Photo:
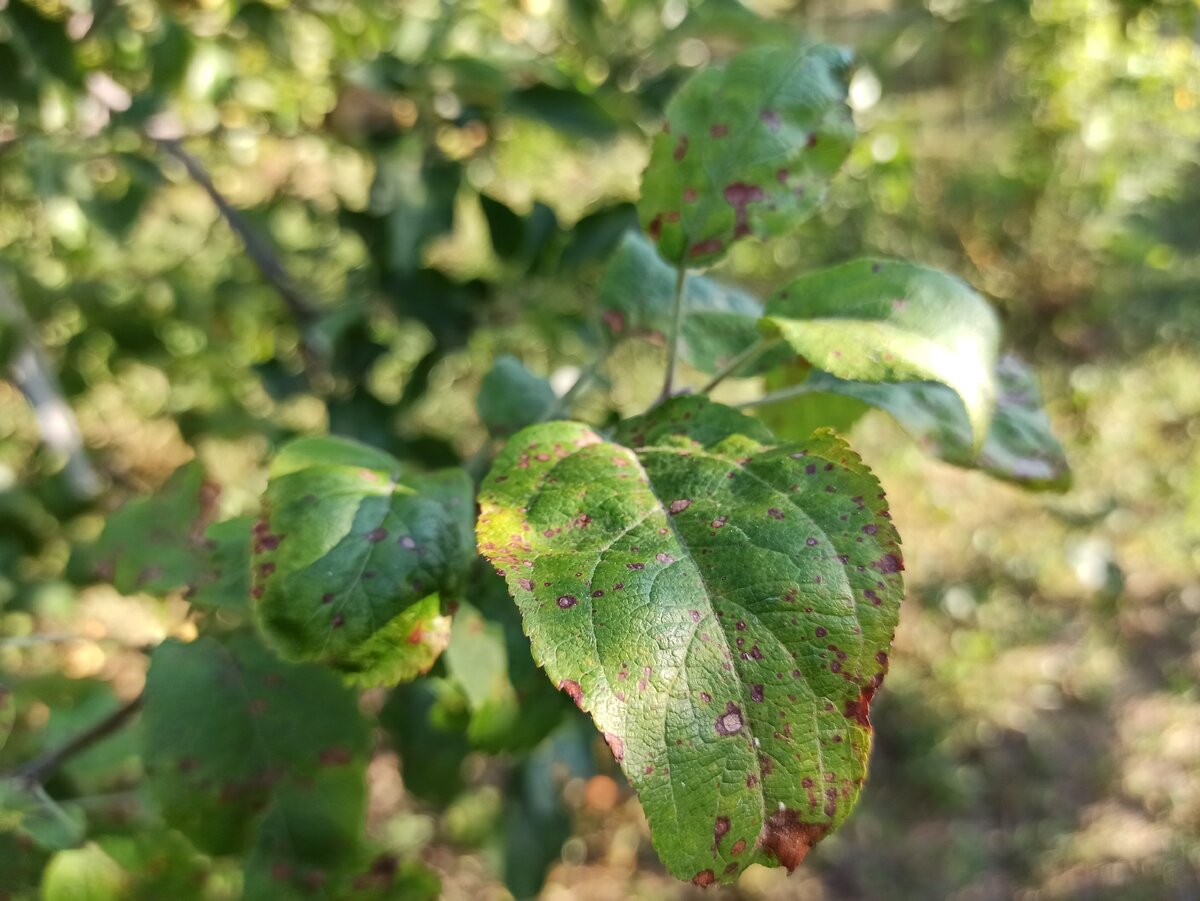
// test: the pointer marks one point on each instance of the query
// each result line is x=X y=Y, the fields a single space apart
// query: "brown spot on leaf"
x=730 y=722
x=719 y=130
x=888 y=563
x=859 y=709
x=679 y=506
x=334 y=756
x=566 y=601
x=786 y=838
x=720 y=830
x=738 y=847
x=572 y=690
x=377 y=534
x=704 y=878
x=681 y=148
x=616 y=745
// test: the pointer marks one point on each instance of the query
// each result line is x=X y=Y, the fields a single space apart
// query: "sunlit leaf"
x=748 y=149
x=887 y=321
x=350 y=555
x=231 y=731
x=722 y=605
x=84 y=874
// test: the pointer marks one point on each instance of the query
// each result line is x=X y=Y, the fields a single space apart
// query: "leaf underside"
x=721 y=605
x=350 y=555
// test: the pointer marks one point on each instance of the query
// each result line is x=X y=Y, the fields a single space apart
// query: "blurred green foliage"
x=441 y=182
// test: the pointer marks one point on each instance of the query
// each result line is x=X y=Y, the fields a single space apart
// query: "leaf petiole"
x=677 y=312
x=782 y=394
x=753 y=352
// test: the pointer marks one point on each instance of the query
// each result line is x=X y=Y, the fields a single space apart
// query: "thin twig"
x=677 y=312
x=782 y=394
x=753 y=352
x=38 y=770
x=257 y=248
x=34 y=378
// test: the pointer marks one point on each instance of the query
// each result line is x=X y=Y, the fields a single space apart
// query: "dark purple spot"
x=870 y=528
x=719 y=130
x=720 y=829
x=566 y=601
x=377 y=534
x=756 y=693
x=730 y=722
x=679 y=506
x=775 y=513
x=770 y=118
x=681 y=148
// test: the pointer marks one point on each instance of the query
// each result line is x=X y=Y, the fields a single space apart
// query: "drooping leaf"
x=506 y=227
x=887 y=321
x=154 y=543
x=1020 y=446
x=637 y=293
x=348 y=560
x=722 y=605
x=747 y=149
x=511 y=397
x=566 y=110
x=598 y=234
x=224 y=583
x=231 y=731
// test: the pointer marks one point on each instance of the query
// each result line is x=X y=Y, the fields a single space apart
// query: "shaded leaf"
x=427 y=722
x=565 y=110
x=598 y=234
x=747 y=149
x=887 y=321
x=799 y=417
x=231 y=731
x=637 y=293
x=153 y=543
x=347 y=563
x=721 y=605
x=505 y=226
x=1020 y=446
x=511 y=397
x=8 y=714
x=224 y=583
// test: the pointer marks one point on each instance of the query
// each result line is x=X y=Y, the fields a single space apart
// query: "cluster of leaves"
x=717 y=591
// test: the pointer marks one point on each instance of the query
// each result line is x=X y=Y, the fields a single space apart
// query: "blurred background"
x=428 y=186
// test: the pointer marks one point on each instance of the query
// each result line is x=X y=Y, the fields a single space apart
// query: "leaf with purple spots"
x=747 y=149
x=351 y=554
x=734 y=602
x=887 y=321
x=230 y=731
x=1020 y=446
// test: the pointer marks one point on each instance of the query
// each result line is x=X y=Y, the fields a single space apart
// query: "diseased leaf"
x=886 y=321
x=224 y=583
x=747 y=149
x=511 y=397
x=347 y=563
x=722 y=605
x=154 y=543
x=1020 y=446
x=637 y=293
x=230 y=731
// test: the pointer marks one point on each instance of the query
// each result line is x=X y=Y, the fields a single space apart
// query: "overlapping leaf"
x=1020 y=446
x=887 y=321
x=721 y=605
x=350 y=555
x=231 y=731
x=511 y=397
x=636 y=297
x=747 y=149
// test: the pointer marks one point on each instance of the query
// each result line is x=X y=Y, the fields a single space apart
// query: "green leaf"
x=511 y=397
x=1020 y=446
x=637 y=293
x=427 y=722
x=231 y=731
x=84 y=874
x=8 y=714
x=799 y=417
x=512 y=706
x=747 y=149
x=885 y=321
x=722 y=605
x=224 y=584
x=350 y=556
x=563 y=109
x=154 y=543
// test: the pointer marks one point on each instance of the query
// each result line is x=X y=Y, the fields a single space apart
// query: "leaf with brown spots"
x=747 y=149
x=350 y=556
x=748 y=592
x=230 y=731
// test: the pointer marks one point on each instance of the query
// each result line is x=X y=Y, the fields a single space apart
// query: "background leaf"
x=886 y=321
x=353 y=548
x=511 y=397
x=230 y=732
x=747 y=149
x=721 y=605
